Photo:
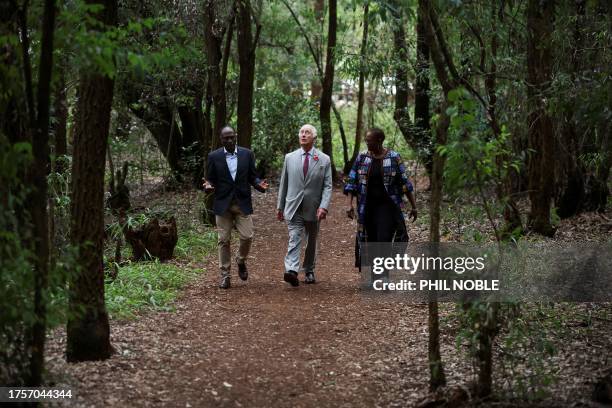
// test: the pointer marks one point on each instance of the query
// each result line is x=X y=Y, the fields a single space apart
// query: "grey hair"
x=312 y=129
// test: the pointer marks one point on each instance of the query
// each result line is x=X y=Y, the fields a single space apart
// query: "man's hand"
x=321 y=214
x=413 y=215
x=279 y=215
x=208 y=188
x=263 y=184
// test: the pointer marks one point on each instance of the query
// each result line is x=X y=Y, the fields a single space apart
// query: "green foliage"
x=477 y=161
x=16 y=279
x=17 y=270
x=525 y=345
x=141 y=46
x=142 y=285
x=528 y=350
x=277 y=120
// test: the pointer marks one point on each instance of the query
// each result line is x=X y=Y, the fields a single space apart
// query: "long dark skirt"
x=383 y=223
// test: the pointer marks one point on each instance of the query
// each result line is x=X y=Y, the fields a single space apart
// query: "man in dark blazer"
x=230 y=175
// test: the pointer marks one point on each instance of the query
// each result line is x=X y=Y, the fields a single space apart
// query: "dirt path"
x=263 y=343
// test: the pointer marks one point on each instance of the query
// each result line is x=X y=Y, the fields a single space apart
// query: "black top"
x=226 y=189
x=376 y=193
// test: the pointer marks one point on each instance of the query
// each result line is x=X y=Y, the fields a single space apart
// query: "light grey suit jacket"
x=312 y=192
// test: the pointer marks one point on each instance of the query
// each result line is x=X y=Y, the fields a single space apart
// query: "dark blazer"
x=226 y=189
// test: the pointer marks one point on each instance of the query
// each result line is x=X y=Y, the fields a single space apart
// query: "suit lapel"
x=242 y=161
x=313 y=165
x=298 y=165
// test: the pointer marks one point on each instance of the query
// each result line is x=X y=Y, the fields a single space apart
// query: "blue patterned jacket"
x=394 y=178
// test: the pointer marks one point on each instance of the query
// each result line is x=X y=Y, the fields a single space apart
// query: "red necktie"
x=305 y=167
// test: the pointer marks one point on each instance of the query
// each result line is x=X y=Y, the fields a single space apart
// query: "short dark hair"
x=377 y=133
x=226 y=127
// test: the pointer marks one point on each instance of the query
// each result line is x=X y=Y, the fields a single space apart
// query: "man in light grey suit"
x=303 y=199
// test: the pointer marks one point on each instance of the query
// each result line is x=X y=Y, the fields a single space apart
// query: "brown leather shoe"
x=292 y=278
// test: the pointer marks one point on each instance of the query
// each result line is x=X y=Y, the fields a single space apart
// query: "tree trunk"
x=315 y=83
x=158 y=118
x=486 y=336
x=421 y=98
x=540 y=15
x=328 y=85
x=61 y=122
x=361 y=92
x=437 y=377
x=246 y=81
x=571 y=175
x=88 y=328
x=192 y=137
x=597 y=191
x=213 y=39
x=400 y=48
x=38 y=197
x=512 y=216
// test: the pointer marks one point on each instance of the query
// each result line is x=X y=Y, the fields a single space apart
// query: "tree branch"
x=303 y=31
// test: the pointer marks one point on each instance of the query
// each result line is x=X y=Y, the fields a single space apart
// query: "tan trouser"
x=225 y=223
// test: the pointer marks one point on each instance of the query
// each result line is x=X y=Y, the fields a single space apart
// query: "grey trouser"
x=299 y=229
x=225 y=224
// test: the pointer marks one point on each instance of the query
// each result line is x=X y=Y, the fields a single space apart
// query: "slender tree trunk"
x=361 y=92
x=421 y=97
x=437 y=377
x=38 y=198
x=328 y=85
x=88 y=329
x=401 y=113
x=342 y=133
x=213 y=39
x=512 y=216
x=246 y=81
x=486 y=336
x=540 y=16
x=315 y=83
x=571 y=175
x=61 y=122
x=192 y=132
x=417 y=137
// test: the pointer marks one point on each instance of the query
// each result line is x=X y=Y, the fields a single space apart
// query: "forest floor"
x=265 y=344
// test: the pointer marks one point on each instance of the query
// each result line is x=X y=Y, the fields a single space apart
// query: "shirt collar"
x=231 y=154
x=311 y=151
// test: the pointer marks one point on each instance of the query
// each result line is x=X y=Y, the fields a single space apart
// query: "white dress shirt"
x=232 y=161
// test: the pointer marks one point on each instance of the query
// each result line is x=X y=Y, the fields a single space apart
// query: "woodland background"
x=500 y=107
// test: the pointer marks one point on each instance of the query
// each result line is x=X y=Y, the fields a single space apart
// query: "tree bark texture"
x=213 y=40
x=421 y=97
x=246 y=80
x=437 y=377
x=328 y=85
x=88 y=329
x=540 y=16
x=361 y=89
x=38 y=173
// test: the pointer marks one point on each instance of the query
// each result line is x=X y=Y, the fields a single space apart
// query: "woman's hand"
x=413 y=214
x=350 y=213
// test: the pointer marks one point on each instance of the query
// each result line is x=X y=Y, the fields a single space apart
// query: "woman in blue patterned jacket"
x=378 y=180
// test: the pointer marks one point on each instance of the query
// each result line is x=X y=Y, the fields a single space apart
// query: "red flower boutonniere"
x=315 y=158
